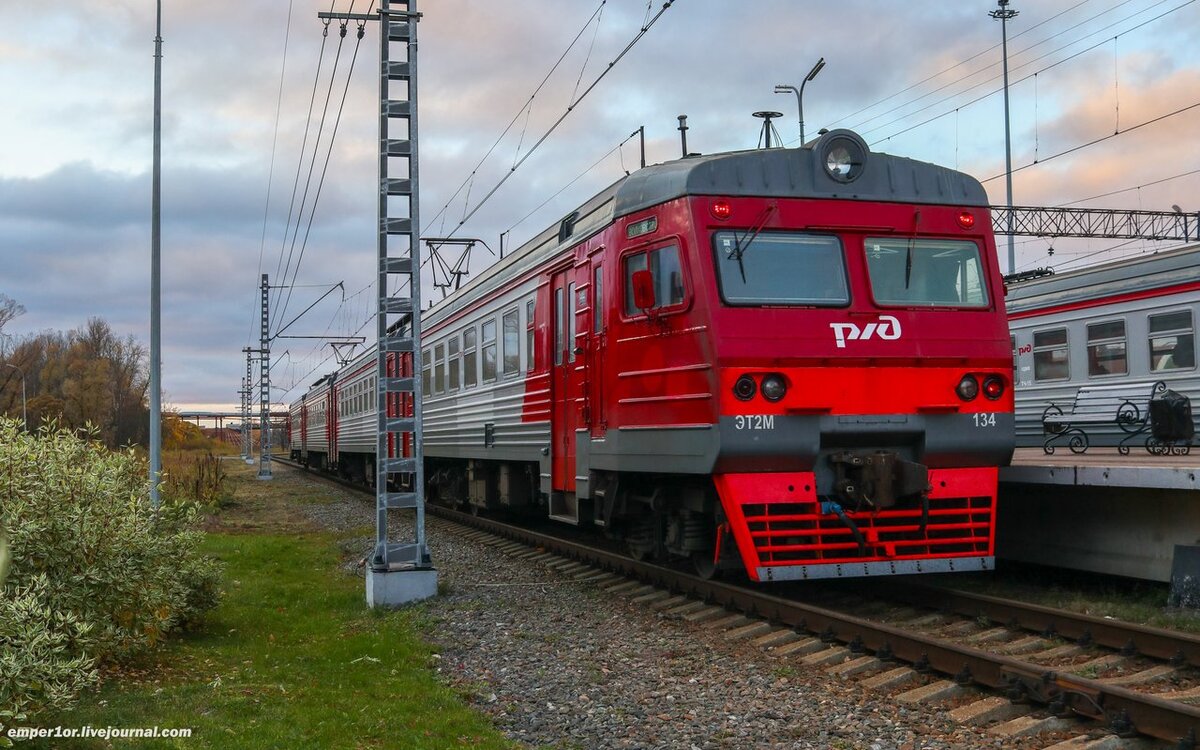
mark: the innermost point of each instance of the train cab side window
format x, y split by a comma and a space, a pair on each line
470, 376
665, 268
1172, 341
489, 350
426, 372
1106, 348
530, 359
597, 300
452, 363
558, 326
511, 355
439, 368
1050, 356
571, 309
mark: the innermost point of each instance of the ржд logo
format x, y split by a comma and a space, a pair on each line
887, 328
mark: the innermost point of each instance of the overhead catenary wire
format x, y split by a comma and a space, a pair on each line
1050, 66
287, 35
312, 163
304, 143
554, 126
469, 179
325, 167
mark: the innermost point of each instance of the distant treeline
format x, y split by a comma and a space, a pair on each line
88, 375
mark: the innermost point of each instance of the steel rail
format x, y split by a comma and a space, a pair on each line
1130, 638
1123, 710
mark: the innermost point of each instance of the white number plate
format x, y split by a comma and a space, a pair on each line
985, 419
754, 421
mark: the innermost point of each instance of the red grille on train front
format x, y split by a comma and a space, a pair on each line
777, 520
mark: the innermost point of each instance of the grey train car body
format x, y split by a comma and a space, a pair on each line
296, 429
1125, 322
317, 416
353, 450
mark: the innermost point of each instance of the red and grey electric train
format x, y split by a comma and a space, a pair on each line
789, 361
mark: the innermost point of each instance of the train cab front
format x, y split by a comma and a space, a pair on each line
864, 382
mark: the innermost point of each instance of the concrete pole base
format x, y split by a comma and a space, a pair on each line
395, 588
249, 461
265, 475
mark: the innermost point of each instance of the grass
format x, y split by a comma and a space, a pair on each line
291, 658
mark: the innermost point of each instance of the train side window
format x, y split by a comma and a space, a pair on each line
558, 326
530, 359
470, 373
511, 354
439, 368
1172, 341
1106, 348
664, 266
452, 363
571, 309
1050, 356
489, 350
597, 300
426, 372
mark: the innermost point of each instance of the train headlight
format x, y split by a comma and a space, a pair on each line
843, 154
773, 387
968, 388
993, 387
745, 388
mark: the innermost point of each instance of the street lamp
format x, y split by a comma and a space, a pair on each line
783, 89
24, 414
1004, 13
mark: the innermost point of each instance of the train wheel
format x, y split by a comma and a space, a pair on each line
705, 566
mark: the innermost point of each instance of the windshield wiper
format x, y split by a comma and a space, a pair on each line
739, 249
908, 263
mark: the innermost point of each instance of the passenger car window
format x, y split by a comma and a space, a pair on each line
426, 372
469, 376
452, 363
1106, 348
1050, 356
489, 350
664, 266
530, 359
1172, 341
439, 368
511, 354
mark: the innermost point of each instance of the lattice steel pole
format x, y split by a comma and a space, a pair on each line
264, 393
248, 385
399, 572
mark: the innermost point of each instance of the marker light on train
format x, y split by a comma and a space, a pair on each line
968, 388
744, 388
773, 387
966, 219
993, 387
721, 209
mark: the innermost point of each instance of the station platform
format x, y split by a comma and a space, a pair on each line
1099, 511
1104, 467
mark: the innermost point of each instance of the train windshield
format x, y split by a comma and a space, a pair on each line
925, 272
781, 268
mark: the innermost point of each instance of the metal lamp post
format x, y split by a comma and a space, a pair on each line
799, 92
1004, 13
24, 414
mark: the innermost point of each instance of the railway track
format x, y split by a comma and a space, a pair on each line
1013, 649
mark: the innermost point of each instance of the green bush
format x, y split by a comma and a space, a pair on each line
96, 574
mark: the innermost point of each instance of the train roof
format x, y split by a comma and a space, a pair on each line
771, 173
1130, 275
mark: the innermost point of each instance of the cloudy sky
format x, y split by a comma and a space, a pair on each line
919, 79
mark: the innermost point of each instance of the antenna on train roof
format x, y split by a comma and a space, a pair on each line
683, 128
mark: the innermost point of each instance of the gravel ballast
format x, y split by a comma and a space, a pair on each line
559, 663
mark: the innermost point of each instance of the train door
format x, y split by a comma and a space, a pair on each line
565, 392
595, 349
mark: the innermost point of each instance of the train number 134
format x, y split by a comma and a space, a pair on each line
985, 419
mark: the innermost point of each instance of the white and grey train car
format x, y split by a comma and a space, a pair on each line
1126, 322
354, 435
318, 421
296, 429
